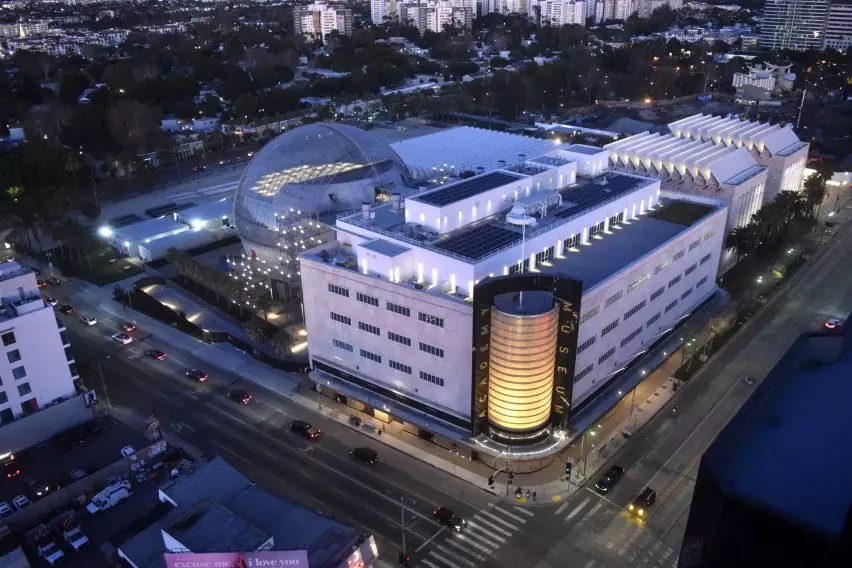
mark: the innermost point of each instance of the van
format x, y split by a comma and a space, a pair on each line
365, 455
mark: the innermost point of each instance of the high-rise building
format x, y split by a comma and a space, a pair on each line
432, 15
838, 28
560, 12
319, 19
36, 366
793, 24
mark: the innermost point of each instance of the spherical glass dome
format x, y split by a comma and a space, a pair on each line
312, 170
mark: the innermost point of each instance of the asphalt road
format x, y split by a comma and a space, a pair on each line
320, 475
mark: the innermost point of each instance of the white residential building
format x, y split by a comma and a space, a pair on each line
396, 307
561, 12
36, 365
838, 27
319, 19
431, 15
793, 24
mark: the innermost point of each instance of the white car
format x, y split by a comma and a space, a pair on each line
88, 320
122, 338
5, 510
51, 301
833, 323
20, 502
127, 451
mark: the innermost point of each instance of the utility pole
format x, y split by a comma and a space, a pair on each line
402, 522
632, 409
319, 402
103, 384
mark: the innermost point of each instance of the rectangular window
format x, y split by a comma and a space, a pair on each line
8, 338
572, 242
339, 290
634, 310
690, 270
590, 314
654, 319
685, 294
658, 293
616, 220
520, 267
606, 355
431, 350
430, 319
367, 299
671, 306
705, 258
342, 345
399, 367
19, 372
579, 376
340, 319
710, 234
24, 389
678, 256
596, 230
613, 299
435, 380
660, 267
694, 245
609, 328
544, 256
397, 309
674, 281
369, 328
586, 344
371, 356
6, 416
633, 335
14, 356
399, 338
701, 282
4, 398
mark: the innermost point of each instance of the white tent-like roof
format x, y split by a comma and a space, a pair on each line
731, 131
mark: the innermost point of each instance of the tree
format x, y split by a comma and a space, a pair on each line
255, 331
72, 85
135, 127
281, 342
814, 189
742, 240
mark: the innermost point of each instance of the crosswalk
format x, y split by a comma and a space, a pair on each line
480, 539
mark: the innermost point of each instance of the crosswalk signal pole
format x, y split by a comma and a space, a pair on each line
402, 522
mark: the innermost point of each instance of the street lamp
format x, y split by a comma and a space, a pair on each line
582, 444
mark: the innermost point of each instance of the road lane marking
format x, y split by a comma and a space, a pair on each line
579, 508
470, 542
430, 539
480, 538
524, 511
492, 525
429, 564
475, 527
499, 520
561, 508
442, 559
507, 513
454, 555
466, 550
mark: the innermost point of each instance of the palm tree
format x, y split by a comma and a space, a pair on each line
814, 189
281, 342
255, 331
792, 203
742, 240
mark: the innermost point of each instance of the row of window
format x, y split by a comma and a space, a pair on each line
402, 368
434, 379
705, 258
397, 309
369, 328
340, 318
23, 390
675, 280
431, 350
685, 294
431, 319
572, 242
634, 310
613, 299
396, 365
339, 290
694, 245
690, 270
399, 338
678, 255
632, 335
658, 293
701, 282
371, 356
590, 314
579, 376
586, 344
606, 355
609, 328
371, 300
653, 319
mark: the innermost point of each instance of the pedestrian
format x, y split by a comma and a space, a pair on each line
533, 495
528, 494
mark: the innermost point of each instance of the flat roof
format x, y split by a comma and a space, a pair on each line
385, 248
467, 188
209, 527
584, 149
787, 450
682, 212
554, 161
207, 211
138, 232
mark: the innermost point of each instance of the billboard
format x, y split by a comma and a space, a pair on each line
259, 559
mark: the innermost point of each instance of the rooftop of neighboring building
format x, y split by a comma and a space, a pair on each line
787, 449
210, 527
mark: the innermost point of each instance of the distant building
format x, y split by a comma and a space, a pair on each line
838, 28
432, 15
560, 12
793, 24
215, 511
317, 20
761, 82
773, 489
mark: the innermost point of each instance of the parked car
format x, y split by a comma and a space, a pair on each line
11, 470
240, 396
643, 502
609, 479
88, 320
122, 338
127, 326
196, 375
41, 283
447, 518
38, 488
20, 502
156, 354
197, 169
366, 455
5, 510
833, 323
305, 429
53, 281
66, 309
51, 301
127, 451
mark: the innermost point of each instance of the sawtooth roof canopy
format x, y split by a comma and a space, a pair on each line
731, 131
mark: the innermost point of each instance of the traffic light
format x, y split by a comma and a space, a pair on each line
404, 559
491, 479
511, 477
568, 466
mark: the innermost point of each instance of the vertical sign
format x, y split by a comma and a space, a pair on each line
482, 301
567, 293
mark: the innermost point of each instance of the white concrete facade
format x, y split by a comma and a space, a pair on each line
34, 362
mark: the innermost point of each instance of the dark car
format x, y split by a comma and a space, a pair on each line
38, 488
156, 354
54, 281
127, 327
196, 375
643, 502
197, 169
41, 283
66, 308
240, 396
447, 518
305, 429
11, 470
366, 455
609, 479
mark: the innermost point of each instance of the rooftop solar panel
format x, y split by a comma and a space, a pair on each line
479, 242
583, 149
579, 199
467, 188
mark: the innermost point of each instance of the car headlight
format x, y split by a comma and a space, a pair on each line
630, 506
641, 512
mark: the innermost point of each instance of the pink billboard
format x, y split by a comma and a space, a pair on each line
260, 559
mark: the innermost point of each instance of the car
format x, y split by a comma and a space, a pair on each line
155, 354
41, 283
609, 479
196, 375
20, 502
197, 169
51, 301
11, 470
122, 338
38, 488
832, 323
240, 396
5, 510
449, 519
127, 326
53, 281
366, 455
88, 320
305, 429
643, 502
66, 308
77, 474
127, 451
